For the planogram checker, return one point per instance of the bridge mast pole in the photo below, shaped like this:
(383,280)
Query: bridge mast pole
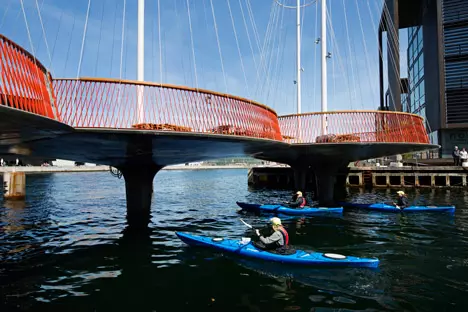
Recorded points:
(324,66)
(141,59)
(298,60)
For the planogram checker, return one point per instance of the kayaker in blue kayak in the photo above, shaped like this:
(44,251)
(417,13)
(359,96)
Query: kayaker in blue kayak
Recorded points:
(298,201)
(278,241)
(402,200)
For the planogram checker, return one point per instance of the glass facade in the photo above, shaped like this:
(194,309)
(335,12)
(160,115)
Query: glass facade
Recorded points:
(416,102)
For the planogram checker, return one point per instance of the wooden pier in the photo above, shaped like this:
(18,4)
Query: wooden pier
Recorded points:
(376,177)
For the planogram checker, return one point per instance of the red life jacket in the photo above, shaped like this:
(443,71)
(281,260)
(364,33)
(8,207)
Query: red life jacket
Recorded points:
(302,205)
(285,235)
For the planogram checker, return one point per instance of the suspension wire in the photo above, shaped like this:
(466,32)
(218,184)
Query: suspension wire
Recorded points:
(100,35)
(262,50)
(254,25)
(4,15)
(365,48)
(238,47)
(353,76)
(339,57)
(69,44)
(193,47)
(177,14)
(56,37)
(248,36)
(13,32)
(160,45)
(113,33)
(30,39)
(27,29)
(279,51)
(152,69)
(39,44)
(272,47)
(43,33)
(262,67)
(267,43)
(315,52)
(122,40)
(219,46)
(331,34)
(83,41)
(271,54)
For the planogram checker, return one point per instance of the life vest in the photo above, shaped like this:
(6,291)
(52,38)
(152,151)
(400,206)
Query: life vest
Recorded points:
(302,205)
(285,235)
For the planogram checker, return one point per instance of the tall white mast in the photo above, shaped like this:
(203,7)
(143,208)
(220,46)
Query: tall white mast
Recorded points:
(324,66)
(298,37)
(141,58)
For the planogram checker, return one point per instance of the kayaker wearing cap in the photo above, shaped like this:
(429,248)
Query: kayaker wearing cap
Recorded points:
(298,201)
(402,200)
(278,241)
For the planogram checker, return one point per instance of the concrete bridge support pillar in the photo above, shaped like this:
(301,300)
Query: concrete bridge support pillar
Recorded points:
(300,174)
(325,176)
(139,190)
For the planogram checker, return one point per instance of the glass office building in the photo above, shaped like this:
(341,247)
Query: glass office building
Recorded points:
(437,67)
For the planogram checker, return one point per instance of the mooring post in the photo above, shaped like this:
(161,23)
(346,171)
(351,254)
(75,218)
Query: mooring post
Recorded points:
(14,185)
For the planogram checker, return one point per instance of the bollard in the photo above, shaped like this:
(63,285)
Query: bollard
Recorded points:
(14,185)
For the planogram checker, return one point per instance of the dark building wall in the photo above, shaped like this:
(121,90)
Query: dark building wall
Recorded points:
(432,62)
(455,25)
(393,55)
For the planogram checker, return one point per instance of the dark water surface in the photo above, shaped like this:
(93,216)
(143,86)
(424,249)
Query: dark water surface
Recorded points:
(67,248)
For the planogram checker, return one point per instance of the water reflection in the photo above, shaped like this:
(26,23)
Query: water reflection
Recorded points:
(12,218)
(69,247)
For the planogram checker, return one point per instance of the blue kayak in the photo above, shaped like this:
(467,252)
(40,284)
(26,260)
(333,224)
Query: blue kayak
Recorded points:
(390,208)
(299,257)
(306,211)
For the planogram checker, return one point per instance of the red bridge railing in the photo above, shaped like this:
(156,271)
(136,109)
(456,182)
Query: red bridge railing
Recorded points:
(24,82)
(353,126)
(125,104)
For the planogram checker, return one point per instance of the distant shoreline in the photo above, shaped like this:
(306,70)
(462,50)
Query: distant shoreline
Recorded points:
(65,169)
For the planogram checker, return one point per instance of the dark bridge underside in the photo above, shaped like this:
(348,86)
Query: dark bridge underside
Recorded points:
(29,134)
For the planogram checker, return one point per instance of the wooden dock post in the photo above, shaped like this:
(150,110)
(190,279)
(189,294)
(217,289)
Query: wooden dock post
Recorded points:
(14,185)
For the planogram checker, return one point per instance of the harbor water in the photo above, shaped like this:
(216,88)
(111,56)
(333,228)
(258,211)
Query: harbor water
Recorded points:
(67,248)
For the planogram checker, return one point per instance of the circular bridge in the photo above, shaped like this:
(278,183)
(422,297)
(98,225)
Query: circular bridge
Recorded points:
(26,85)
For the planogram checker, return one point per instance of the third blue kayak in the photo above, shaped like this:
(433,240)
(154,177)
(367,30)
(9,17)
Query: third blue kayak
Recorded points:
(390,208)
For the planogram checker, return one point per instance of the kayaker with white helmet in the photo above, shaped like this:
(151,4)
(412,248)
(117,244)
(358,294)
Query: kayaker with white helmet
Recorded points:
(278,241)
(298,201)
(402,202)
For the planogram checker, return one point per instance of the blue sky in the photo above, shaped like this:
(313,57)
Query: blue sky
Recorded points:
(352,41)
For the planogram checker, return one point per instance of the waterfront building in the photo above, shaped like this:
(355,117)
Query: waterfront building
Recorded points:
(435,83)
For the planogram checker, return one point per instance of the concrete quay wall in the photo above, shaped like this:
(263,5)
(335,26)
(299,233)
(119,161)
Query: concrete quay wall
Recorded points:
(378,177)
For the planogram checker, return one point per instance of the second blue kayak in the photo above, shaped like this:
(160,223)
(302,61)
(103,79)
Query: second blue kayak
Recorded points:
(390,208)
(306,211)
(299,257)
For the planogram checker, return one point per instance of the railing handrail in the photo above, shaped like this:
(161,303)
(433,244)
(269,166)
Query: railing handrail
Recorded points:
(27,53)
(351,111)
(169,86)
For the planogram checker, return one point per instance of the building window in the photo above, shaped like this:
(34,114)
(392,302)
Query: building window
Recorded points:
(416,88)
